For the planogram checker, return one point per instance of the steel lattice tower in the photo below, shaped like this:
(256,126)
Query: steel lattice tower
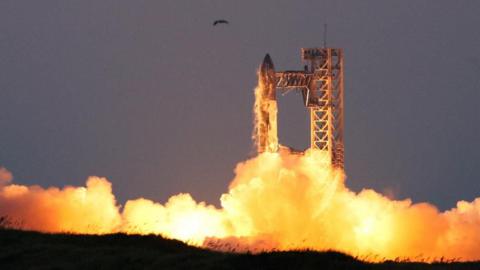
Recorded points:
(321,85)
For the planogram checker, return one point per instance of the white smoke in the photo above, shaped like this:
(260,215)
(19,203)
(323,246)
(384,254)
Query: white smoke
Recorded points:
(5,176)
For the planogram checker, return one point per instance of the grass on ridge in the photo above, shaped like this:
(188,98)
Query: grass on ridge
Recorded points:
(33,250)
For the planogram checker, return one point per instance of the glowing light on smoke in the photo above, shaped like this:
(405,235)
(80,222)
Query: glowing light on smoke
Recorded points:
(5,176)
(89,209)
(277,201)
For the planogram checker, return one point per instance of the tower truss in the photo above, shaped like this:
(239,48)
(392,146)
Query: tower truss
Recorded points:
(321,85)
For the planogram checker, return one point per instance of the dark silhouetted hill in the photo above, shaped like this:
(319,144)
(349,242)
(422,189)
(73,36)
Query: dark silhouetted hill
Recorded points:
(32,250)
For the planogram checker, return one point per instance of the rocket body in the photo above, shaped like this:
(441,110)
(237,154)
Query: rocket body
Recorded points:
(267,75)
(266,108)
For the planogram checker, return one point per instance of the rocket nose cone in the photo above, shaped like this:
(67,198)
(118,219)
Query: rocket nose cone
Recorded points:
(267,63)
(267,59)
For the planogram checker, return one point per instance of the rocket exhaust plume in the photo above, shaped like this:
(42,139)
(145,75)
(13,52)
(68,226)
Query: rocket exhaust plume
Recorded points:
(277,201)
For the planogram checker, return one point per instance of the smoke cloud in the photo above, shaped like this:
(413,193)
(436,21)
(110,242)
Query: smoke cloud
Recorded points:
(277,201)
(90,209)
(5,176)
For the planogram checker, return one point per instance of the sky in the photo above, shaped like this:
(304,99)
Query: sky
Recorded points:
(150,95)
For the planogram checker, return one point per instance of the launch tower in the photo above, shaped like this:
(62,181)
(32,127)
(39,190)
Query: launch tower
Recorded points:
(321,85)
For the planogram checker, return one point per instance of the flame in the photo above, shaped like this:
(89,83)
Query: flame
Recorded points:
(265,119)
(276,201)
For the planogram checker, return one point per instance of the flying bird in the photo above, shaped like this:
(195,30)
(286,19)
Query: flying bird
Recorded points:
(220,21)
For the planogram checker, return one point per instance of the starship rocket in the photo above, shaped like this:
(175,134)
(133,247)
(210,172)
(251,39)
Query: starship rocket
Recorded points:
(266,108)
(267,75)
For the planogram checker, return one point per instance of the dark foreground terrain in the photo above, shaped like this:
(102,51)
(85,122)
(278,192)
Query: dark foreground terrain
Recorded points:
(32,250)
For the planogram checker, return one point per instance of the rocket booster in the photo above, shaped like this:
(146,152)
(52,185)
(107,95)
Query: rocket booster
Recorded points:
(266,108)
(267,76)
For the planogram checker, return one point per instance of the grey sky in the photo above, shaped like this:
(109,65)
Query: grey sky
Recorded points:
(150,95)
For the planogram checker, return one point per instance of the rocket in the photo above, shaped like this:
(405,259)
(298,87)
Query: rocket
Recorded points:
(266,108)
(267,76)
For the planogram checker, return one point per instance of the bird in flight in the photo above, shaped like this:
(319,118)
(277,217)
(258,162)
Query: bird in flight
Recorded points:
(220,21)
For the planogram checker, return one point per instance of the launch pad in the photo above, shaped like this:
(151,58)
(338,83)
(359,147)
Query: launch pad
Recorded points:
(321,86)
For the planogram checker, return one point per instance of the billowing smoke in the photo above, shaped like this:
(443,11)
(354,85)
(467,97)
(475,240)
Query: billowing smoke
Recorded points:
(90,209)
(5,176)
(277,201)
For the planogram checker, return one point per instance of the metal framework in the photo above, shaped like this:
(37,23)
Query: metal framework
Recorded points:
(321,85)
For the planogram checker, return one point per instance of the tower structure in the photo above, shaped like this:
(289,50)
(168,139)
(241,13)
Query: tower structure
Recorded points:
(321,85)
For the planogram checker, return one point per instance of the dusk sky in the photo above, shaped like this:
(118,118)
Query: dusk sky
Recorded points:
(152,96)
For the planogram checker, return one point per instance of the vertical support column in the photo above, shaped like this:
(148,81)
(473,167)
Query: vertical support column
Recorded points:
(328,105)
(338,109)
